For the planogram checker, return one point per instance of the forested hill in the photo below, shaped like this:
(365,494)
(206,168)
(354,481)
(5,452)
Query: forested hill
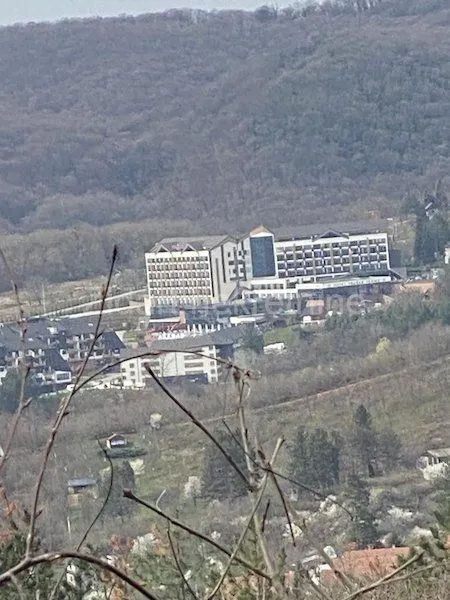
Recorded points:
(223,119)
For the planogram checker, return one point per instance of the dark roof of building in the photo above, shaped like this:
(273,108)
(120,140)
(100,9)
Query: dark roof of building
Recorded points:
(11,338)
(177,244)
(82,482)
(55,361)
(112,341)
(223,337)
(285,233)
(77,326)
(318,229)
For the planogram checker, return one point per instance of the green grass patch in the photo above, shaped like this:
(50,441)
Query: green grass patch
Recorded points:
(288,335)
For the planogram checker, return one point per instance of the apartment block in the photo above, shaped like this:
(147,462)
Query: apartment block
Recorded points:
(279,264)
(181,359)
(190,271)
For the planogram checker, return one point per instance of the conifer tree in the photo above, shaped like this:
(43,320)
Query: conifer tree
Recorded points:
(315,458)
(364,441)
(363,529)
(220,479)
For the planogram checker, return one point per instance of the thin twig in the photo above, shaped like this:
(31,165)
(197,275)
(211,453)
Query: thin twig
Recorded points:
(283,501)
(21,321)
(198,424)
(388,577)
(129,494)
(63,411)
(237,548)
(50,557)
(307,488)
(23,404)
(94,521)
(265,515)
(178,564)
(244,438)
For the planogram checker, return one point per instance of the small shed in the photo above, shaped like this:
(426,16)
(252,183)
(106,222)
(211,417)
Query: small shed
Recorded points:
(79,488)
(435,457)
(116,441)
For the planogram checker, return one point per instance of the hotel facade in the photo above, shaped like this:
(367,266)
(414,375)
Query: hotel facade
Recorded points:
(278,264)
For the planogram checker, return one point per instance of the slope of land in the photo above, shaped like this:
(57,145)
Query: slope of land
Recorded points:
(216,120)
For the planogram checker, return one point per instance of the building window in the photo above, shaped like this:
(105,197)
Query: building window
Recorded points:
(263,258)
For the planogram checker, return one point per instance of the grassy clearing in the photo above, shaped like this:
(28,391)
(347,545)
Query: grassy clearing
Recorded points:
(416,407)
(288,335)
(57,296)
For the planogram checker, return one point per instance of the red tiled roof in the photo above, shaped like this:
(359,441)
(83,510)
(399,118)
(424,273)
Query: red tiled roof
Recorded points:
(363,563)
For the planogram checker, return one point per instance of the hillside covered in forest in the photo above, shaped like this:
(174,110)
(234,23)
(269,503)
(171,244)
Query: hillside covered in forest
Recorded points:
(218,121)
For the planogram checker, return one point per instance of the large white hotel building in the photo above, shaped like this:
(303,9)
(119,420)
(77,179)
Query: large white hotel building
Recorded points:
(215,269)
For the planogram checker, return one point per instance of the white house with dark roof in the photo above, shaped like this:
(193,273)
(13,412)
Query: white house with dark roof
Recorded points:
(191,358)
(51,347)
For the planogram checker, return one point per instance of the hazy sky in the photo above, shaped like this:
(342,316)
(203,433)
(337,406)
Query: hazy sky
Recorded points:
(14,11)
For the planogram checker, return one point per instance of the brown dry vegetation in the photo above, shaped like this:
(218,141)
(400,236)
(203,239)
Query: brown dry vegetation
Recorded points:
(412,400)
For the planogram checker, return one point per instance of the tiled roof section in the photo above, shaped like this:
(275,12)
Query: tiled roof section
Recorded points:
(11,339)
(308,231)
(55,361)
(82,482)
(223,337)
(178,244)
(366,563)
(440,452)
(112,341)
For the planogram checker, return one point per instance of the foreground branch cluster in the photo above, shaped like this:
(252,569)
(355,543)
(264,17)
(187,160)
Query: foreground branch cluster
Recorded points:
(251,568)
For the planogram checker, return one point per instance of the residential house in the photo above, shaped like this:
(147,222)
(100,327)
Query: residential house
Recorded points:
(314,312)
(53,348)
(434,457)
(434,463)
(195,358)
(116,441)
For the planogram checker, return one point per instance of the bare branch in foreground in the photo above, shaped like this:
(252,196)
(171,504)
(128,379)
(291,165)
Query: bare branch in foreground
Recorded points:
(50,557)
(178,564)
(239,559)
(62,412)
(198,424)
(250,520)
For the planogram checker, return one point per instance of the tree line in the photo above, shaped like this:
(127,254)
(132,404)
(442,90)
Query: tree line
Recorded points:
(243,117)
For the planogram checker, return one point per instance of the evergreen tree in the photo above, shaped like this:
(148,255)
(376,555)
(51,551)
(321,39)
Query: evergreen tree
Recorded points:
(253,340)
(363,529)
(363,440)
(123,478)
(389,449)
(315,458)
(10,392)
(127,475)
(40,581)
(220,479)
